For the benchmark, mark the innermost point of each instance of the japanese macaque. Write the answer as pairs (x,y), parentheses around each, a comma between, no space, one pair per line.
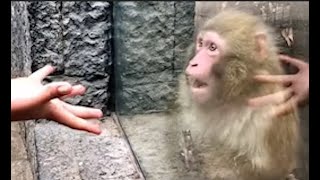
(230,139)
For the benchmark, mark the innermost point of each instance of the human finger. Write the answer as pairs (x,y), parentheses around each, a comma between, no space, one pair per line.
(46,93)
(53,90)
(76,90)
(67,118)
(43,72)
(296,62)
(274,78)
(286,107)
(83,112)
(275,98)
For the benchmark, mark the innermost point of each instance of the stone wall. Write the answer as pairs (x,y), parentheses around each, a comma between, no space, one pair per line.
(149,43)
(20,40)
(150,39)
(20,66)
(76,38)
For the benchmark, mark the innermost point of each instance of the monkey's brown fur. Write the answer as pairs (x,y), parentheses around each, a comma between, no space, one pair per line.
(232,140)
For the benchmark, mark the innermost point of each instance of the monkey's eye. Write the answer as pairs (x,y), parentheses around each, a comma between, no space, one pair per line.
(212,47)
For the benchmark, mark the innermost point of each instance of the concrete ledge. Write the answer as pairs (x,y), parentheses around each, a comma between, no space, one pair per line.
(65,153)
(20,166)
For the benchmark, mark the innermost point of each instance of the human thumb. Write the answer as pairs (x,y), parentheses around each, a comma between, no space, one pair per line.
(55,90)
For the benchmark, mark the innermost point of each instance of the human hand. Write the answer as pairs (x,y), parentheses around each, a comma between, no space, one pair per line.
(30,99)
(296,91)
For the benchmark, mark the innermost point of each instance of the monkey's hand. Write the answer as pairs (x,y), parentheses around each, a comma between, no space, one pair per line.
(295,93)
(32,100)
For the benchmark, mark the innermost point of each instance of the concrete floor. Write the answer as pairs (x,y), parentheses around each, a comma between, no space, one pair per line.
(20,165)
(152,139)
(149,139)
(148,135)
(67,154)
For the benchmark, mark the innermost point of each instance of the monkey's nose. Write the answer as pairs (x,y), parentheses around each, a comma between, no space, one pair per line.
(194,65)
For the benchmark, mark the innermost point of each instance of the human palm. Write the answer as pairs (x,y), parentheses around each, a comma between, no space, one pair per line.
(30,99)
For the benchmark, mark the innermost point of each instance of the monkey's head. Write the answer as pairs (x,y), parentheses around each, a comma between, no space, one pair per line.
(229,49)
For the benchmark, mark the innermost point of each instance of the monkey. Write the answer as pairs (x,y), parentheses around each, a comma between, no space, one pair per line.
(230,139)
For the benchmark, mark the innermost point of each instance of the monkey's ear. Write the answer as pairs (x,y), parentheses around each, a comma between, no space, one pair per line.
(261,45)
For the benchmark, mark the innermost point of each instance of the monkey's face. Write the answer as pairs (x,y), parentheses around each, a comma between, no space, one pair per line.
(201,78)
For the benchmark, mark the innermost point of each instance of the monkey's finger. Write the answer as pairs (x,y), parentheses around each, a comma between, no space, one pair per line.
(274,78)
(67,118)
(43,72)
(83,112)
(76,90)
(286,107)
(296,62)
(275,98)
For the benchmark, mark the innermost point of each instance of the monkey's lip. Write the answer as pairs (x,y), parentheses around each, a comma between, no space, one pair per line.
(195,83)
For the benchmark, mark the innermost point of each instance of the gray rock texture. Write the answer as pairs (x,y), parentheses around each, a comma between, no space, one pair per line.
(76,38)
(46,34)
(64,153)
(78,44)
(150,38)
(20,40)
(21,168)
(183,33)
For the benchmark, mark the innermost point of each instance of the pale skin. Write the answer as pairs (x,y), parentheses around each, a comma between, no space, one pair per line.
(209,49)
(30,99)
(297,88)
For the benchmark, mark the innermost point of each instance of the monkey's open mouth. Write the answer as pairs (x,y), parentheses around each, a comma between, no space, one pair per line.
(195,83)
(199,84)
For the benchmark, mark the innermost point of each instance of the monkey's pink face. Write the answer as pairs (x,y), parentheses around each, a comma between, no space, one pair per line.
(200,77)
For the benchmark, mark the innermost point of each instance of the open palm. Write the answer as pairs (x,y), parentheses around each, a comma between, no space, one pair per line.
(30,99)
